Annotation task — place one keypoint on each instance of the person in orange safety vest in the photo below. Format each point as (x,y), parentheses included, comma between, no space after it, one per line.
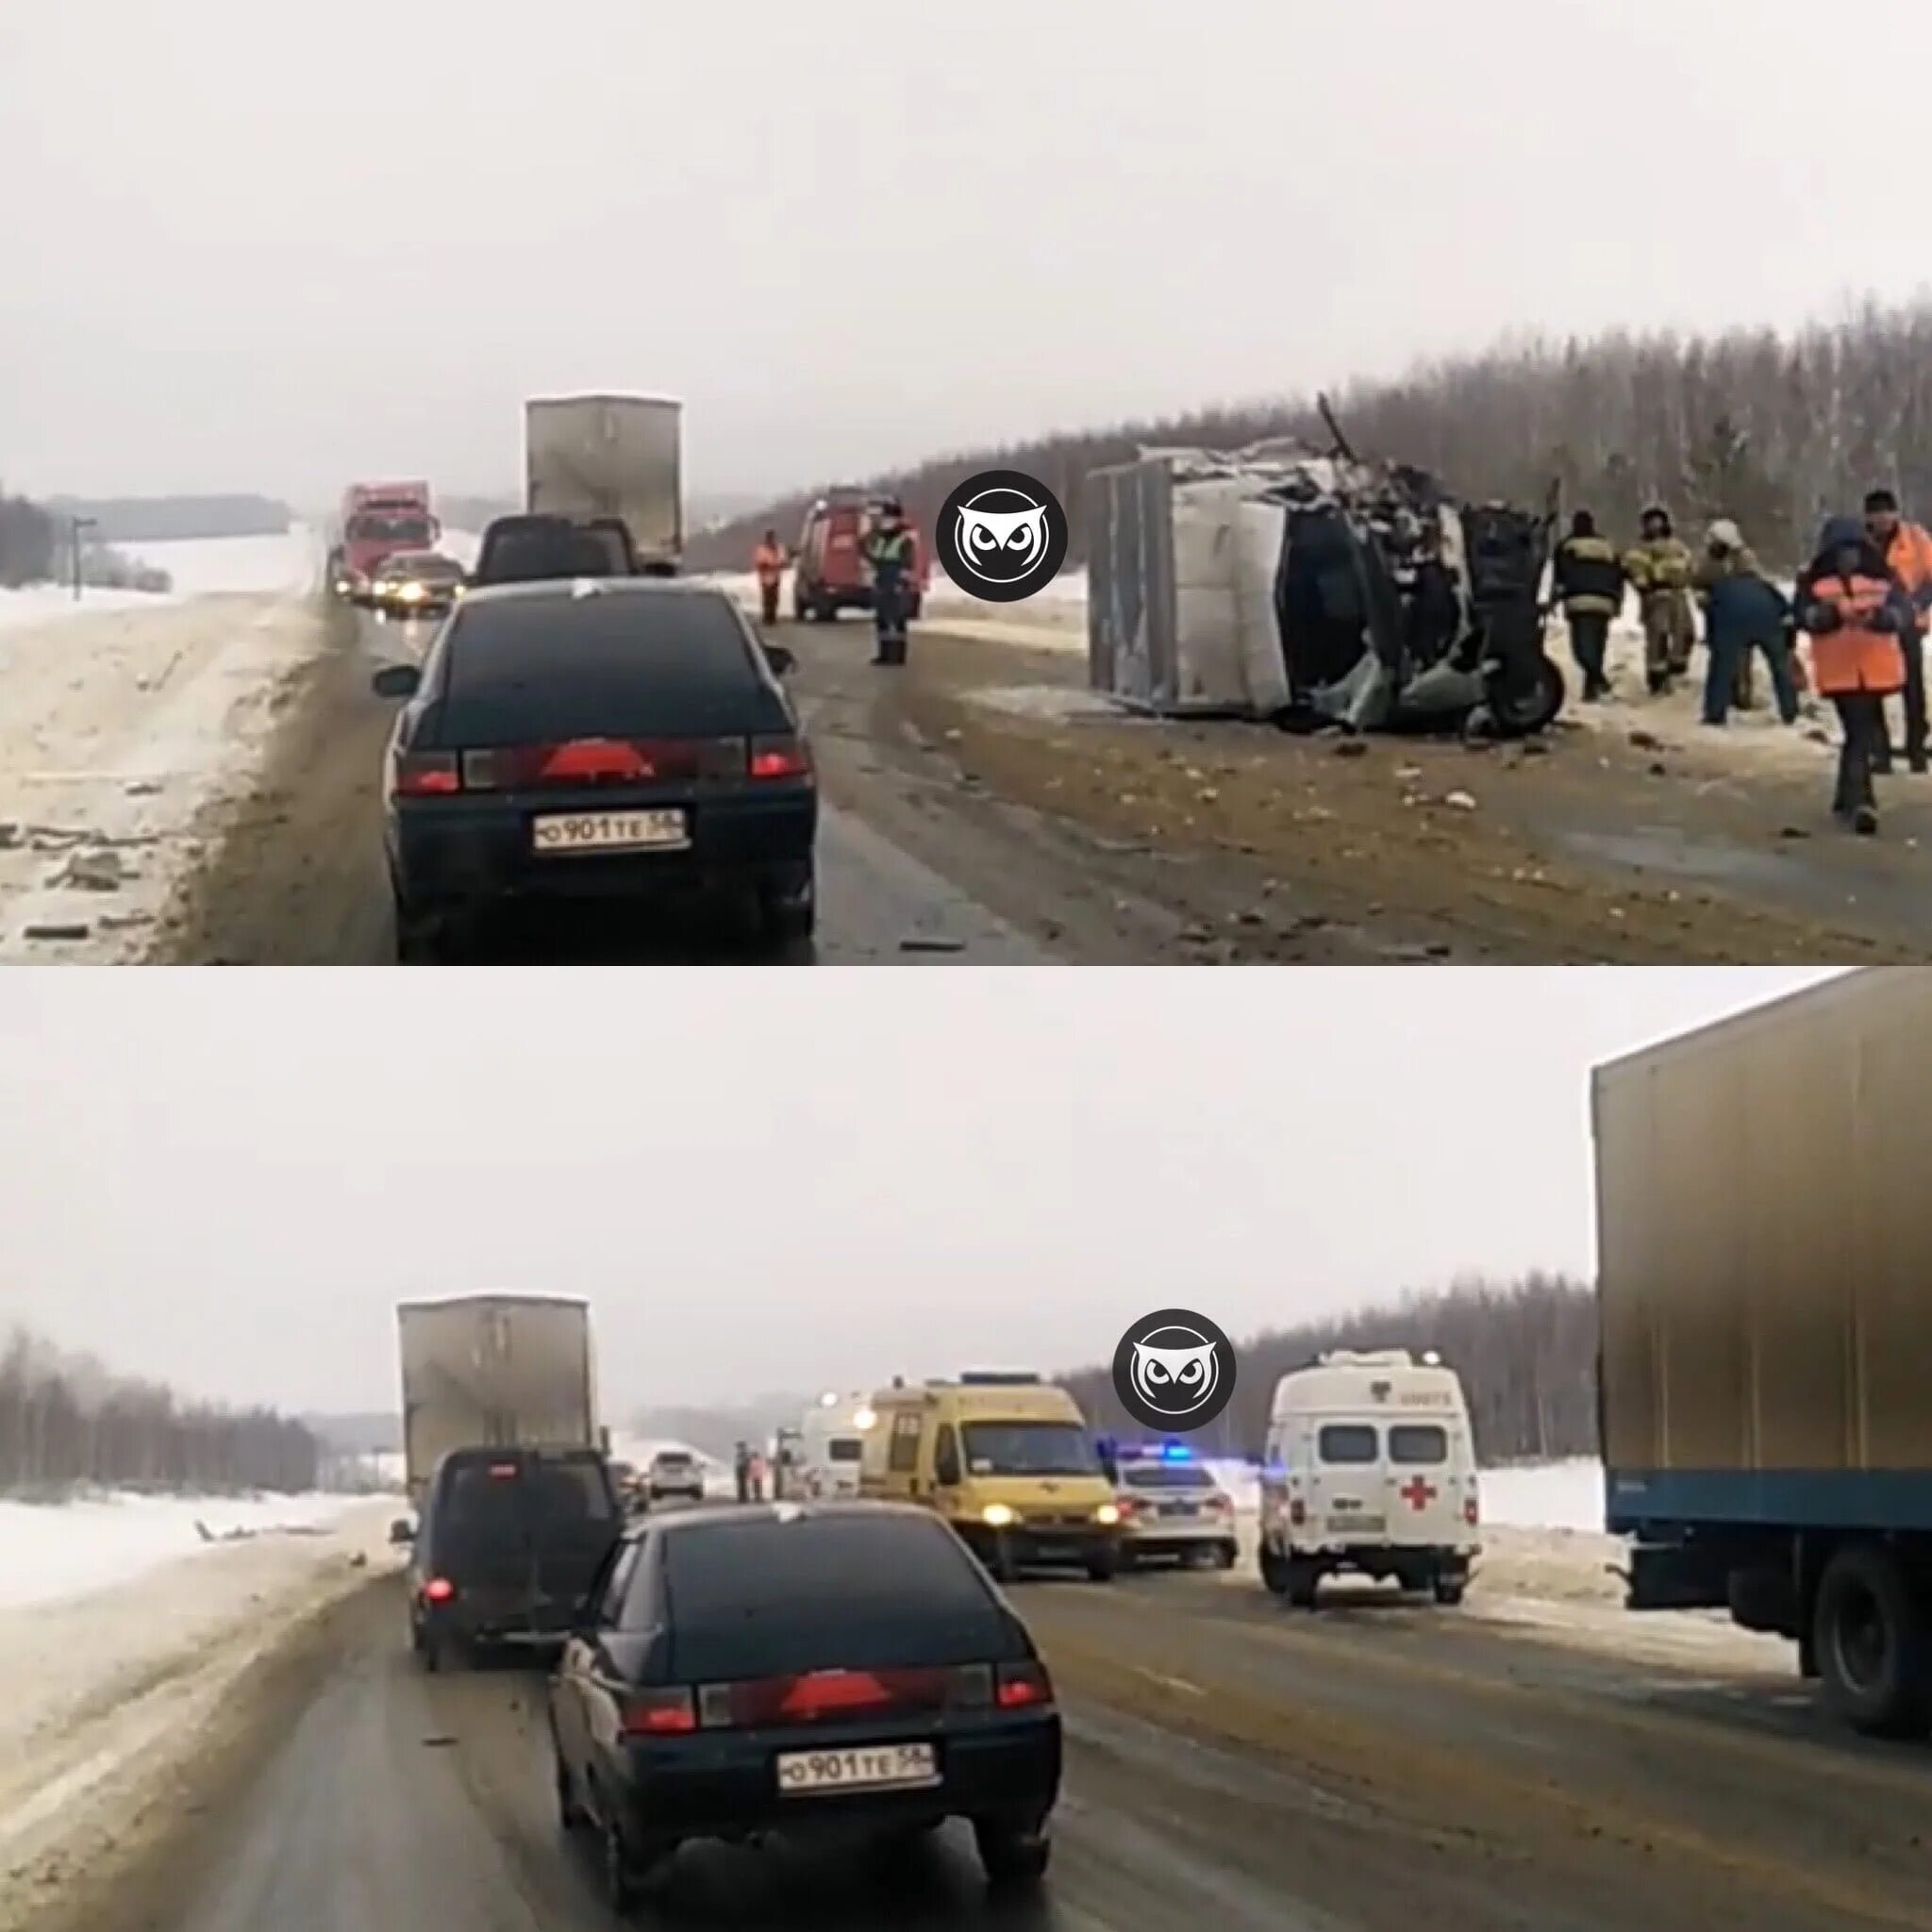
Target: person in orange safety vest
(768,563)
(1907,549)
(1856,612)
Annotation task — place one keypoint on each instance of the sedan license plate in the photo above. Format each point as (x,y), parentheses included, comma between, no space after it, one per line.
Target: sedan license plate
(1177,1509)
(864,1768)
(1353,1524)
(564,832)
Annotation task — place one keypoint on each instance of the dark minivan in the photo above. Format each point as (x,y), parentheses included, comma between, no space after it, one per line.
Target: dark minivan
(611,740)
(509,1544)
(797,1667)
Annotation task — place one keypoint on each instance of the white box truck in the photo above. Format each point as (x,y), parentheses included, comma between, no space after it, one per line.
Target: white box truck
(495,1371)
(592,457)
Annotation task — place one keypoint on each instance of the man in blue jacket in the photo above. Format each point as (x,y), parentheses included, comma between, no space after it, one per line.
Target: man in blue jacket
(1744,611)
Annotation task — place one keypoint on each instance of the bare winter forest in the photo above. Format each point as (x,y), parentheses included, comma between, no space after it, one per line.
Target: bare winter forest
(1526,1351)
(27,542)
(65,1420)
(1775,431)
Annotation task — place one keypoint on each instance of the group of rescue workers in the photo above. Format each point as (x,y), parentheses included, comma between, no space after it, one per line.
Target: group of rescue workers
(889,552)
(1864,601)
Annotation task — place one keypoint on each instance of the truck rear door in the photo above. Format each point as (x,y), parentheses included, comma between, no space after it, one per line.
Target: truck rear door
(1347,1481)
(1426,1484)
(573,1516)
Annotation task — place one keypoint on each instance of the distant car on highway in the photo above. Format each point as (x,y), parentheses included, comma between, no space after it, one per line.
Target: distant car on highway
(621,741)
(1172,1508)
(416,583)
(674,1475)
(507,1546)
(845,1667)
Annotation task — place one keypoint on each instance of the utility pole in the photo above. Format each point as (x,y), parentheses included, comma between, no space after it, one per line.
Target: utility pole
(80,524)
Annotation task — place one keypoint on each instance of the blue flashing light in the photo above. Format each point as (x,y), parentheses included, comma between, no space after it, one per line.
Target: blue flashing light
(1159,1452)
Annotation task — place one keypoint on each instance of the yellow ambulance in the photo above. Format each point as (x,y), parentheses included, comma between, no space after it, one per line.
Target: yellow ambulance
(1007,1460)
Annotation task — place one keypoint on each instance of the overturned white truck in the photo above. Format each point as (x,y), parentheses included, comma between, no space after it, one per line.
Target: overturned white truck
(1314,591)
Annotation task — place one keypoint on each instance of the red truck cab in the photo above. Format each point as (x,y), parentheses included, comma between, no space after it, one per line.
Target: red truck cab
(829,572)
(378,520)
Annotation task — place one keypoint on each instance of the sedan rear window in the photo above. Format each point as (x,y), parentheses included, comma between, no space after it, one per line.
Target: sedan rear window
(638,664)
(1347,1443)
(769,1595)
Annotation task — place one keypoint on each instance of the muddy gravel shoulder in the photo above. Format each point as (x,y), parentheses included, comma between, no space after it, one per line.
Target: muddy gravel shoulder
(1579,847)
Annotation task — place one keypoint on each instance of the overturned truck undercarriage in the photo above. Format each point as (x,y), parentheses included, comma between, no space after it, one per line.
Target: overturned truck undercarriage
(1315,591)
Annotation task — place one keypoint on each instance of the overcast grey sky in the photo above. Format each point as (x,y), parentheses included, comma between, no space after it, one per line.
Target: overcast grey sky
(227,1181)
(249,246)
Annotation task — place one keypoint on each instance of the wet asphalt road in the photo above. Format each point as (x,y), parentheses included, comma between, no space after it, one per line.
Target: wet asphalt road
(299,879)
(1231,1765)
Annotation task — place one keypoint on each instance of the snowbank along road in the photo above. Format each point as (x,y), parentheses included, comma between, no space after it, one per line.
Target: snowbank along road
(1230,1762)
(195,779)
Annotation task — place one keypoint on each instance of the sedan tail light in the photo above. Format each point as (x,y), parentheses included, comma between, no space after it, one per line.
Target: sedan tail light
(1024,1687)
(778,758)
(427,773)
(659,1711)
(814,1697)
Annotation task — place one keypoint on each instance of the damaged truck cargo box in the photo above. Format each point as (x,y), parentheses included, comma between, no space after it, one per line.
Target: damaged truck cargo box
(1311,591)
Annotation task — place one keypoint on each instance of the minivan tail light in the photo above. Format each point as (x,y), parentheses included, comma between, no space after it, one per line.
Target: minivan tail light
(1471,1510)
(438,1590)
(427,774)
(659,1712)
(779,757)
(1023,1687)
(1297,1511)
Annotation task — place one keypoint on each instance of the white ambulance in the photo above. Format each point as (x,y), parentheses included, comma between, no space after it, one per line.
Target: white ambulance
(826,1447)
(1371,1468)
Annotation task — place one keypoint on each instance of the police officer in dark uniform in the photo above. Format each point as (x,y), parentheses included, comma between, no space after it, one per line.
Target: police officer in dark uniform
(889,555)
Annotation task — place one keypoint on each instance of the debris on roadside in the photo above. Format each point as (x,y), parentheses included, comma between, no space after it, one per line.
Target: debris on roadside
(94,869)
(930,943)
(1351,747)
(56,929)
(1645,740)
(1459,801)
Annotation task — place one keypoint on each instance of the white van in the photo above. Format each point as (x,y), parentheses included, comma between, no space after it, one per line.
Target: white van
(827,1446)
(1370,1467)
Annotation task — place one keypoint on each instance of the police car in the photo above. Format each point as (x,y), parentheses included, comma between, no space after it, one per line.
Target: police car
(1172,1508)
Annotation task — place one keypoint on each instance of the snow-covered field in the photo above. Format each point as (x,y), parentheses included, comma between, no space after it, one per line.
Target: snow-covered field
(1055,619)
(99,1703)
(49,1551)
(208,566)
(121,718)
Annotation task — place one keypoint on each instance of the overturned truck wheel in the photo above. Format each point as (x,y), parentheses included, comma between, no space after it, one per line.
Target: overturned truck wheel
(1525,698)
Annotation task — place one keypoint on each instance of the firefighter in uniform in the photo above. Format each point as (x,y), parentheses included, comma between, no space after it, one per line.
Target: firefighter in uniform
(1659,570)
(768,565)
(1587,580)
(889,555)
